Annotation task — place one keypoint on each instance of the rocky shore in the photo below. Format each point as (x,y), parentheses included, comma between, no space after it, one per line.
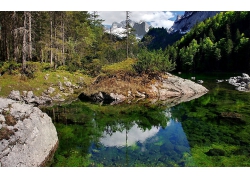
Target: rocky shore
(164,88)
(27,135)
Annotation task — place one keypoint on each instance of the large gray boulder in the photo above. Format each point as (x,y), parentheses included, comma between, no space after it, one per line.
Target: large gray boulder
(27,135)
(174,86)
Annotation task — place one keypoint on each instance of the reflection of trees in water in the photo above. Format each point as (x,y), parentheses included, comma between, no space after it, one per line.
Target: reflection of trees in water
(79,124)
(219,117)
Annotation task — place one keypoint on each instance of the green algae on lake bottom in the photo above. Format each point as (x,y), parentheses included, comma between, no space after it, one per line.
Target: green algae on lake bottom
(212,130)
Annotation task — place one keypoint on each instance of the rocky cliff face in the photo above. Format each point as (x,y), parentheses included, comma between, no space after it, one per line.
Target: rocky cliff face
(141,29)
(184,23)
(27,135)
(119,29)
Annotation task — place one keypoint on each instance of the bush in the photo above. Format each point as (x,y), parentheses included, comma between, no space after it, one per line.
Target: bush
(153,62)
(63,68)
(94,68)
(10,67)
(45,66)
(31,68)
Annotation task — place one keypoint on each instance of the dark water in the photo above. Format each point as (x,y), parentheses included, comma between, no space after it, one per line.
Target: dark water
(212,130)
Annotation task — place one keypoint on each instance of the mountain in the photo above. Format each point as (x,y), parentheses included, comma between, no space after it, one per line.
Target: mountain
(119,29)
(218,44)
(184,23)
(161,37)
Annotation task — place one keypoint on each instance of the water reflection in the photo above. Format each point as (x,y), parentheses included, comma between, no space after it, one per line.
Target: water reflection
(128,137)
(121,135)
(157,146)
(212,130)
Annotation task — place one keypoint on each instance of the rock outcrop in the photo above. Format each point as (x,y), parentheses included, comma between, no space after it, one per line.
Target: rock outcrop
(241,83)
(184,23)
(119,29)
(174,86)
(29,98)
(164,88)
(27,135)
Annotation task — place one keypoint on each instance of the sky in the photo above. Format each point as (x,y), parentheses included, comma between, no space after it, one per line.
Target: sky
(154,18)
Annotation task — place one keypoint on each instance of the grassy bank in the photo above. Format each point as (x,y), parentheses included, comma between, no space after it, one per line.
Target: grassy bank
(41,82)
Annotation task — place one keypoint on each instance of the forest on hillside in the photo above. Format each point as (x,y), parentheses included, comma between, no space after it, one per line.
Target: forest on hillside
(58,40)
(77,41)
(220,43)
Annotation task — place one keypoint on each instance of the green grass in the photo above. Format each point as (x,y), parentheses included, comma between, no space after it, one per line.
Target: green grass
(38,84)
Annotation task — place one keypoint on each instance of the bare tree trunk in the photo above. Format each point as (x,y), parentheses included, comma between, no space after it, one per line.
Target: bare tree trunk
(24,49)
(63,58)
(41,52)
(4,43)
(15,34)
(127,29)
(30,40)
(7,48)
(15,46)
(51,31)
(4,35)
(55,44)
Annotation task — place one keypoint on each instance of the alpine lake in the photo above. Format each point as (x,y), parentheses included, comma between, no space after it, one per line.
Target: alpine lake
(210,131)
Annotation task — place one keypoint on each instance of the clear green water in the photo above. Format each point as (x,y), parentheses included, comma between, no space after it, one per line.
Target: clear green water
(210,131)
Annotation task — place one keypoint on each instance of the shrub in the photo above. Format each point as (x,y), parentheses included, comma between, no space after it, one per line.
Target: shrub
(94,68)
(31,68)
(45,66)
(123,66)
(10,67)
(153,62)
(63,68)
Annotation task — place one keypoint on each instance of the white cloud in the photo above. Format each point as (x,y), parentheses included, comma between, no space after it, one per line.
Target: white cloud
(155,18)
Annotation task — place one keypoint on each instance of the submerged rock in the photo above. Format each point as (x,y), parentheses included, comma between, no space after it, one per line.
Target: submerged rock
(30,139)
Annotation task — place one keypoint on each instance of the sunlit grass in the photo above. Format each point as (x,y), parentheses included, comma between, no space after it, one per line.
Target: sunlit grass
(39,84)
(123,66)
